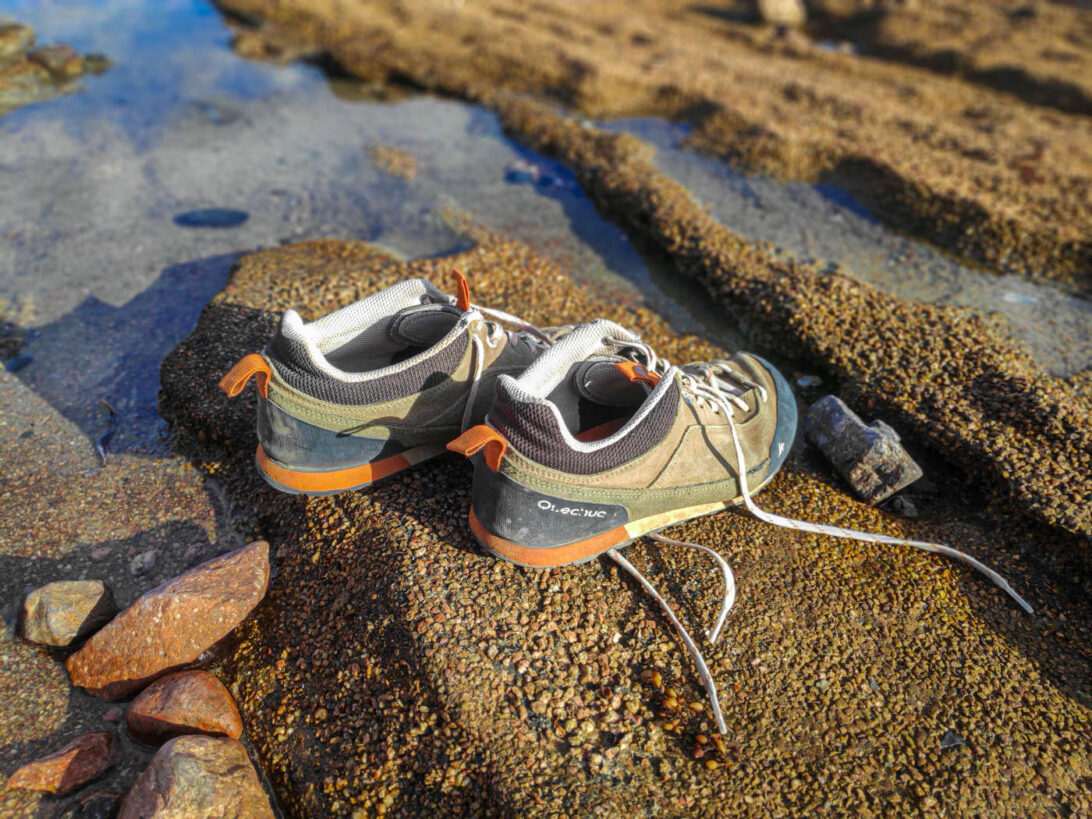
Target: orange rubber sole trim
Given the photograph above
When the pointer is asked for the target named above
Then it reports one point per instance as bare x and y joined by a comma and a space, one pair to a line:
336, 480
551, 557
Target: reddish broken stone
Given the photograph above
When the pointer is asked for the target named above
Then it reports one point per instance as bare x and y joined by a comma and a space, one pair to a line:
198, 776
76, 764
171, 625
186, 702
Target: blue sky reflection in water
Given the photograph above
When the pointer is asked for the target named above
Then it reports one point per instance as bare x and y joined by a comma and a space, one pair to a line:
92, 186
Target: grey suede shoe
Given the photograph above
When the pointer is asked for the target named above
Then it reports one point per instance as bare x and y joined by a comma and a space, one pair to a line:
378, 386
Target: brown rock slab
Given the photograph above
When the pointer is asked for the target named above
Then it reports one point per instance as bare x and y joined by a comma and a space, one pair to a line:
61, 61
198, 776
59, 613
15, 38
186, 702
76, 764
171, 625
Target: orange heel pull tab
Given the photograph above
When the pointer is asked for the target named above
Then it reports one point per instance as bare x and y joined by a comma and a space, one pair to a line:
478, 438
237, 376
462, 300
635, 372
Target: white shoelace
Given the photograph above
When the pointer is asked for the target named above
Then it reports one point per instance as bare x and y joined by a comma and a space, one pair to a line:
708, 390
525, 333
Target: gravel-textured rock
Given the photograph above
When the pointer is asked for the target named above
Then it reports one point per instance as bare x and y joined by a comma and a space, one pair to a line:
195, 776
186, 702
76, 764
959, 160
171, 625
869, 456
60, 613
396, 667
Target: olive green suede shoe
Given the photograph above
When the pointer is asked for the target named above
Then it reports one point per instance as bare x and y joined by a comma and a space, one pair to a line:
378, 386
598, 443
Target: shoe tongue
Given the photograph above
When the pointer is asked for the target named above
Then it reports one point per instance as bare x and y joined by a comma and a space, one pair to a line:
423, 324
599, 379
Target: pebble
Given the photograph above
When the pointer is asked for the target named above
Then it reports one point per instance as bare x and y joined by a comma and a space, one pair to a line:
173, 624
62, 612
72, 767
869, 457
143, 563
192, 776
185, 702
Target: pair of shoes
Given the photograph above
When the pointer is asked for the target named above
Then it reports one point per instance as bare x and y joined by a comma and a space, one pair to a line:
582, 438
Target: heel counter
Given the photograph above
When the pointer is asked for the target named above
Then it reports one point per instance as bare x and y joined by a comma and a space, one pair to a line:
297, 444
508, 509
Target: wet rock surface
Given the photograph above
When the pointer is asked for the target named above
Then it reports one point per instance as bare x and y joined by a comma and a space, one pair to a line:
60, 613
80, 761
186, 702
868, 456
198, 776
950, 158
946, 375
172, 625
29, 74
394, 666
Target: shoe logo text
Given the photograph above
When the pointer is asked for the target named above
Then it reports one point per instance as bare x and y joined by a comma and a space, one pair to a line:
574, 511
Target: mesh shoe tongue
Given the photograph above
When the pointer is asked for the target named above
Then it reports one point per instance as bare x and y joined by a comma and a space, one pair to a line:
423, 325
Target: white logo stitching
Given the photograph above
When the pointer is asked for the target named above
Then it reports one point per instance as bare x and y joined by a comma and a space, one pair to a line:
573, 511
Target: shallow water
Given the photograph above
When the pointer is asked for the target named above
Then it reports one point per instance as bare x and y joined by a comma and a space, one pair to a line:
825, 224
123, 206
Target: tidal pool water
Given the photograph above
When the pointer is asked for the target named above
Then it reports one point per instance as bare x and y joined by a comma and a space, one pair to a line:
123, 206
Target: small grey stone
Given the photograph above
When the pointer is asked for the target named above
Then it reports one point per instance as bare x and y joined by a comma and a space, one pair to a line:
59, 613
142, 563
902, 505
869, 457
951, 739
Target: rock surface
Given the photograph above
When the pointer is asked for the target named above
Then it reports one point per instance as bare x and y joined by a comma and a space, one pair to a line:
869, 456
171, 625
781, 12
60, 613
186, 702
29, 75
194, 776
15, 38
76, 764
397, 667
1009, 183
